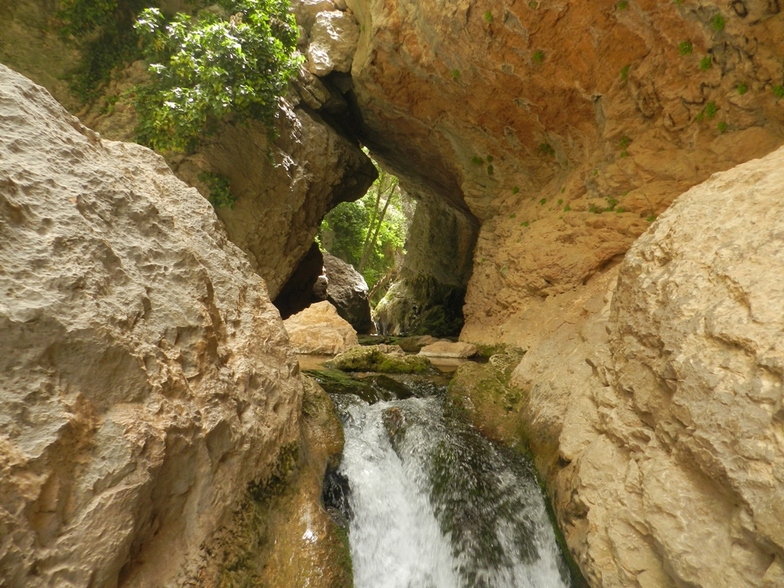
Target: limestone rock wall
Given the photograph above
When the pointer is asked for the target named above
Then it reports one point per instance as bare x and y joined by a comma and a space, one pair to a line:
146, 378
561, 126
655, 405
283, 186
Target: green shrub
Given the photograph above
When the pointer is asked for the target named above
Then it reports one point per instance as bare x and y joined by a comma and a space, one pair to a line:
718, 23
488, 16
722, 127
538, 56
220, 195
206, 67
623, 4
742, 88
778, 91
625, 73
685, 47
706, 63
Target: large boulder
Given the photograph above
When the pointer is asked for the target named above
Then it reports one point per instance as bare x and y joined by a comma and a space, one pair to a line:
657, 420
348, 292
146, 381
320, 330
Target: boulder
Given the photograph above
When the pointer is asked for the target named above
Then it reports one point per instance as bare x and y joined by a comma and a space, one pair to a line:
146, 381
320, 330
373, 359
348, 292
656, 421
333, 41
456, 350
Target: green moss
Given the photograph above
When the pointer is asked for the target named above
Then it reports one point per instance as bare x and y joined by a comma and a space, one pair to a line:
718, 23
685, 47
706, 63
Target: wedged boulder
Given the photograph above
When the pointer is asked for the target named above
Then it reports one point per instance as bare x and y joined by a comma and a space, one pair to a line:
146, 380
373, 359
333, 42
348, 292
657, 421
456, 350
320, 330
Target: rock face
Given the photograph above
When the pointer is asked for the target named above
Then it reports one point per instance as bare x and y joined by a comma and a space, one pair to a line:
320, 330
561, 127
661, 440
146, 378
348, 293
283, 187
449, 349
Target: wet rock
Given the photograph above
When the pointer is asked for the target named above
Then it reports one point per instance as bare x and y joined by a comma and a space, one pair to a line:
319, 330
348, 292
455, 350
395, 424
372, 359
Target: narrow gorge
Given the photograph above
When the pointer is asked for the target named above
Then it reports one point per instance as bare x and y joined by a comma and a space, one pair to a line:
599, 192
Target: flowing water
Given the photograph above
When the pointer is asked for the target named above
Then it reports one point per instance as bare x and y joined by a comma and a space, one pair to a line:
432, 504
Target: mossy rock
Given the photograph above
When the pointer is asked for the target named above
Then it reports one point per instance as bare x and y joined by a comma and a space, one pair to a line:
372, 359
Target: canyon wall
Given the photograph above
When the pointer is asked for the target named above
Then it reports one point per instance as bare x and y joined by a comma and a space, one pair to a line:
147, 381
654, 406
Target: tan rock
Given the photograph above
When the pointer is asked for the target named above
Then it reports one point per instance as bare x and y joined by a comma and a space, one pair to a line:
449, 349
146, 378
653, 406
320, 330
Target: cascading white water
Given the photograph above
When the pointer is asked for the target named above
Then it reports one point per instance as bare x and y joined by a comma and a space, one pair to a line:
435, 505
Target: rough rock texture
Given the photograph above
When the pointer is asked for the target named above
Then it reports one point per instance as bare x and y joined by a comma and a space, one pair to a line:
283, 187
320, 330
348, 292
146, 378
303, 287
449, 349
332, 42
655, 412
561, 126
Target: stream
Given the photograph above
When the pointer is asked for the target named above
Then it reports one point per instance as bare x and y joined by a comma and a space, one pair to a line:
430, 503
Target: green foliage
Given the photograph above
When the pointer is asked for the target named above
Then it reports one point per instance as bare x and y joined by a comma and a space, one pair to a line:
488, 16
706, 63
778, 91
624, 142
625, 73
103, 32
623, 4
490, 170
718, 23
711, 109
476, 160
742, 88
538, 56
722, 127
369, 233
560, 201
515, 190
650, 218
206, 67
220, 190
685, 47
567, 208
543, 201
533, 4
455, 74
524, 224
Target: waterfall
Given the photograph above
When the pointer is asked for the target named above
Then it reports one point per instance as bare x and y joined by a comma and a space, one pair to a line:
432, 504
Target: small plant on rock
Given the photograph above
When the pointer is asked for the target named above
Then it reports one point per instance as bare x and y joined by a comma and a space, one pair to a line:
706, 63
718, 23
742, 88
685, 47
538, 56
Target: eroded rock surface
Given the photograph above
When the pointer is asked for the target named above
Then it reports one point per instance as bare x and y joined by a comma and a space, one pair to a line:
654, 407
319, 329
146, 378
348, 292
